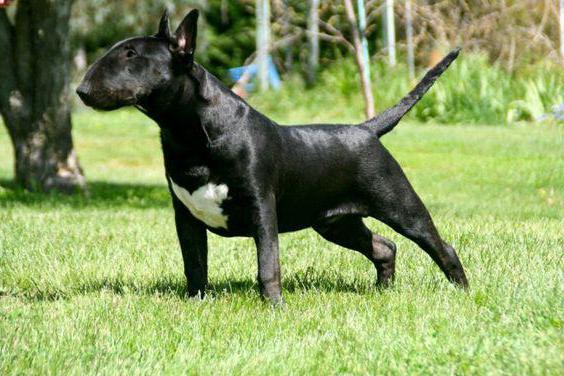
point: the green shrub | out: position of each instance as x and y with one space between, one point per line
471 91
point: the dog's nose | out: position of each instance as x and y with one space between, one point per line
83 92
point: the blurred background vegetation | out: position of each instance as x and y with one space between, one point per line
510 69
337 59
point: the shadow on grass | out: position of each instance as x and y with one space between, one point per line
176 287
100 194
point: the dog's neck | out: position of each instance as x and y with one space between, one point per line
196 105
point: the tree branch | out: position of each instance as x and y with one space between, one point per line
335 35
281 43
336 39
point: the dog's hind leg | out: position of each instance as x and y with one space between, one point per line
415 223
350 232
395 203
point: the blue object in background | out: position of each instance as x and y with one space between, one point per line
557 113
273 77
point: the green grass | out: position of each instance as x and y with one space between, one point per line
95 285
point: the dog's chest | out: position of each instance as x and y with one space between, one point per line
204 202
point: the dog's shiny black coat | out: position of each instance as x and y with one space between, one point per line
280 178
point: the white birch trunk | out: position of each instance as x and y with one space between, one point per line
263 40
313 40
562 28
409 37
390 31
366 85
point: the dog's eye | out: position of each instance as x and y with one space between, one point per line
130 53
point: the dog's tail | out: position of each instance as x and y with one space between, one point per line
387 120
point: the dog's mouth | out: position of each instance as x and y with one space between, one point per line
112 106
105 103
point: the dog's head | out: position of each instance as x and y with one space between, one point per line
135 68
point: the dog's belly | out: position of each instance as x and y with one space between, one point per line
224 213
302 215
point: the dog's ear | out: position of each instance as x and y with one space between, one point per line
185 37
164 29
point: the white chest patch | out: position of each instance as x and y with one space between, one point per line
204 203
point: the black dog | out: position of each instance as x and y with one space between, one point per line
234 172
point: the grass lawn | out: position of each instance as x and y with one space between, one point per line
95 285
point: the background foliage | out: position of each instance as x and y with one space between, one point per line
509 70
471 91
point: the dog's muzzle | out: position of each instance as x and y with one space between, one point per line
106 102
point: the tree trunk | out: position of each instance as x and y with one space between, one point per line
365 82
561 22
34 97
313 40
409 38
288 50
390 31
263 41
362 31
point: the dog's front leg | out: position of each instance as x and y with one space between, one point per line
193 240
266 240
